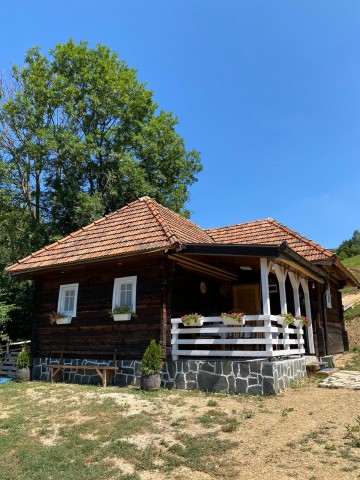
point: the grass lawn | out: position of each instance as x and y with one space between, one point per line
352 313
352 262
354 362
60 431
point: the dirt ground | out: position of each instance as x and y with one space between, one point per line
353 330
305 433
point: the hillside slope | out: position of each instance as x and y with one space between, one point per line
353 330
353 264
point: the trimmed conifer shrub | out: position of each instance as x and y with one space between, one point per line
24 359
152 359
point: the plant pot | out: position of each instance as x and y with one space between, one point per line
22 375
63 321
281 321
121 317
195 323
232 321
297 323
150 382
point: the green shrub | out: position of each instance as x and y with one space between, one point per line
24 359
152 359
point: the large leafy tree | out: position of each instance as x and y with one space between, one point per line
79 133
80 136
351 247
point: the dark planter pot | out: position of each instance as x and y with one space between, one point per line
22 375
150 382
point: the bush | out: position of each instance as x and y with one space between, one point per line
24 359
152 359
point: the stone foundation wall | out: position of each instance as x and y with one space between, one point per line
259 377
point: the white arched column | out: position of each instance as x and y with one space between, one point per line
295 283
264 271
305 286
281 274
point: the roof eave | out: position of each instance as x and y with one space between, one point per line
350 279
282 252
81 262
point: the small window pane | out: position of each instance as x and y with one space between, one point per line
126 295
125 292
69 301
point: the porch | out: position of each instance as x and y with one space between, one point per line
282 287
261 336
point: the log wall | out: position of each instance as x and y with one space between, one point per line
336 328
164 290
93 329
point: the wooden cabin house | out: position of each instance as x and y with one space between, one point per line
163 266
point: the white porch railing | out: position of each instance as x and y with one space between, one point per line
214 339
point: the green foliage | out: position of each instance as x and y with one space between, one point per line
80 136
122 309
24 359
354 363
352 262
152 359
4 319
289 318
352 313
349 248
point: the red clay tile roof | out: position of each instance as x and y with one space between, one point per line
264 232
143 225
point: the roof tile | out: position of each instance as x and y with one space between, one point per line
269 232
143 225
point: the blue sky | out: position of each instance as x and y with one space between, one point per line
267 91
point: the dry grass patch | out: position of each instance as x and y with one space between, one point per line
83 432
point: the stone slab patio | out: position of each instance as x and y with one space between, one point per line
342 379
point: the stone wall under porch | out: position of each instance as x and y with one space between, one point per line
254 377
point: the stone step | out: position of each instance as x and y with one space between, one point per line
310 359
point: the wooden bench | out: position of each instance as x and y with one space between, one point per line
105 372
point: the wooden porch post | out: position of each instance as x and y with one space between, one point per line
264 269
281 274
295 282
305 286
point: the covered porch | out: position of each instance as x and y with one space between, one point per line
262 287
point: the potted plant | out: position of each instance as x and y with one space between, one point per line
302 322
192 320
286 319
23 364
151 365
123 313
233 318
59 318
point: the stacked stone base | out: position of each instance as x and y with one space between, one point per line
254 377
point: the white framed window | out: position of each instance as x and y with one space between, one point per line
328 297
125 292
68 299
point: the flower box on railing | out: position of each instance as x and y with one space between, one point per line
192 320
234 318
258 338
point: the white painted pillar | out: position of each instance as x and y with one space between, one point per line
295 282
264 270
281 274
310 333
